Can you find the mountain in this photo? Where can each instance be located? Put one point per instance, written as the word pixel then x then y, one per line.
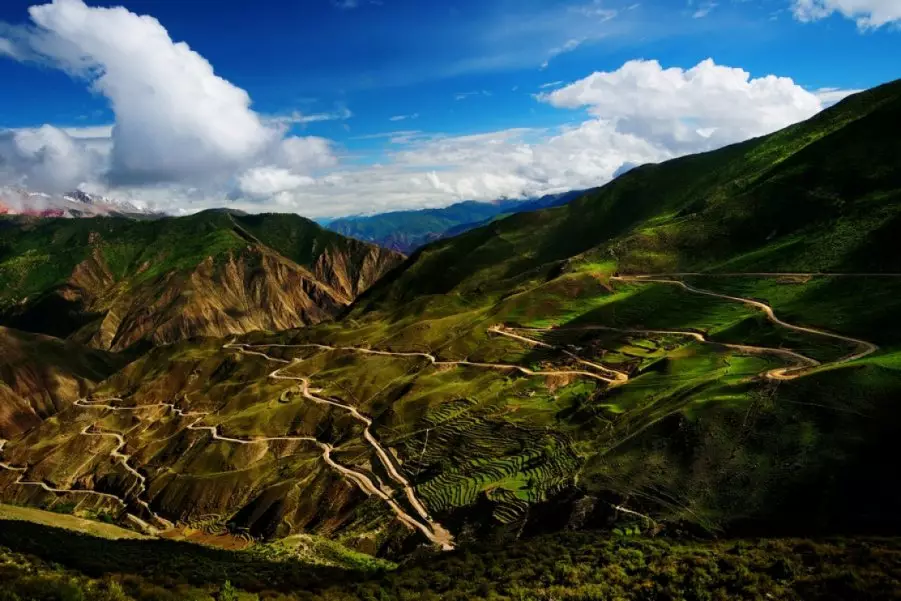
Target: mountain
pixel 77 203
pixel 649 379
pixel 112 282
pixel 405 231
pixel 41 375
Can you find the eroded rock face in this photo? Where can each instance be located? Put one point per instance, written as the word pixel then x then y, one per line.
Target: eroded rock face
pixel 353 273
pixel 251 290
pixel 232 284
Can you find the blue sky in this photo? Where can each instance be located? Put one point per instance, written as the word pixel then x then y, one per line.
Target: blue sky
pixel 349 74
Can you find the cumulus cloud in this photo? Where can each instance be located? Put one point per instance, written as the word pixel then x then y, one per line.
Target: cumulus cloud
pixel 868 14
pixel 691 110
pixel 184 139
pixel 265 182
pixel 47 159
pixel 637 114
pixel 176 121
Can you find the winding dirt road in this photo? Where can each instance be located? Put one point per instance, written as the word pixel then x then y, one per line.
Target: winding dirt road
pixel 800 361
pixel 618 376
pixel 782 373
pixel 46 487
pixel 615 376
pixel 433 530
pixel 441 537
pixel 802 365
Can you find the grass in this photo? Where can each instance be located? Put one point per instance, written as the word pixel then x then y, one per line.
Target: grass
pixel 697 439
pixel 72 523
pixel 40 562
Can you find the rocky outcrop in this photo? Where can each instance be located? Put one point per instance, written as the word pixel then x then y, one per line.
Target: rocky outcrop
pixel 252 290
pixel 208 275
pixel 352 273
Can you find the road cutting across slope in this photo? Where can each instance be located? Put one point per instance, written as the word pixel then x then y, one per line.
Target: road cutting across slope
pixel 441 538
pixel 21 481
pixel 800 361
pixel 433 530
pixel 610 379
pixel 783 373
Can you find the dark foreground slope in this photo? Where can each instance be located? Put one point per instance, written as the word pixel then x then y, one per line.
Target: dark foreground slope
pixel 564 567
pixel 706 346
pixel 113 282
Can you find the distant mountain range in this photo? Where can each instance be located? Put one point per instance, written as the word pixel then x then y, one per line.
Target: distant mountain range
pixel 16 201
pixel 405 231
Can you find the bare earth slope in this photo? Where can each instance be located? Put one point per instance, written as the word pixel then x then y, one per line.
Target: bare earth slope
pixel 111 282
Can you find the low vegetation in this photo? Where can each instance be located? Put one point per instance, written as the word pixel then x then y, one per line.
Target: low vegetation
pixel 47 564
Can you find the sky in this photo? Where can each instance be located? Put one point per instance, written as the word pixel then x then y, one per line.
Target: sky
pixel 338 107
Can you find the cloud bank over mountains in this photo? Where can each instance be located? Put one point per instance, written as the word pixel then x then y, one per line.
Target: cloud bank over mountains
pixel 184 137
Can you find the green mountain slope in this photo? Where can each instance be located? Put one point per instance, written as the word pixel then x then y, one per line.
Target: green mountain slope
pixel 817 196
pixel 113 282
pixel 707 345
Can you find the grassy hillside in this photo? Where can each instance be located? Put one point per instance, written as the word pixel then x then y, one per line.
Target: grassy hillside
pixel 818 196
pixel 709 346
pixel 112 282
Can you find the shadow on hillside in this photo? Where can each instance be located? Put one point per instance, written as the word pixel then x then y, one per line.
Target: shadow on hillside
pixel 166 561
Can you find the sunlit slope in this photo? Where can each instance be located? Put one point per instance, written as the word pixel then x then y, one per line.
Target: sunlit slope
pixel 112 282
pixel 41 375
pixel 698 434
pixel 821 195
pixel 709 344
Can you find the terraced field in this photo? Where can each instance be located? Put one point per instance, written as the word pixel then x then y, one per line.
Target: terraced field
pixel 463 451
pixel 683 350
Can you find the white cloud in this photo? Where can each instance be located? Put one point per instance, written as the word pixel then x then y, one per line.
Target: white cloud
pixel 91 132
pixel 703 10
pixel 568 46
pixel 47 159
pixel 265 182
pixel 688 110
pixel 404 117
pixel 465 95
pixel 8 48
pixel 829 96
pixel 298 118
pixel 637 114
pixel 868 14
pixel 184 139
pixel 176 121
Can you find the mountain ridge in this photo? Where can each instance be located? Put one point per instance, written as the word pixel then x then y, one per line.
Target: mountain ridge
pixel 113 282
pixel 706 346
pixel 405 231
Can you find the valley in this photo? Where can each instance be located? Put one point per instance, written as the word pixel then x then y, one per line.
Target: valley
pixel 691 371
